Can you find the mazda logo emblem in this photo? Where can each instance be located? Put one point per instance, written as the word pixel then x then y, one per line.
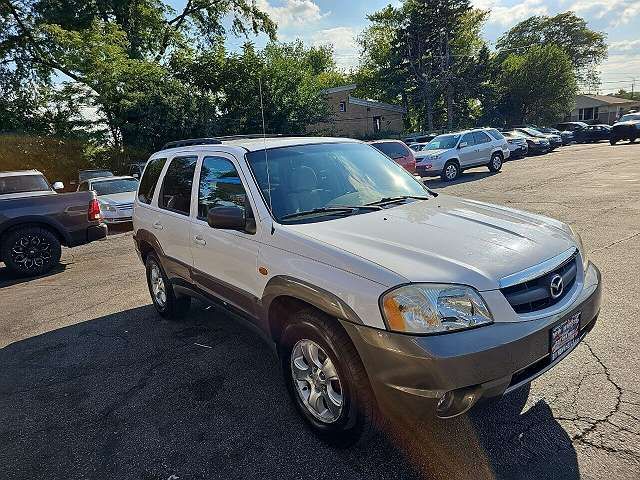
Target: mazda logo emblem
pixel 556 286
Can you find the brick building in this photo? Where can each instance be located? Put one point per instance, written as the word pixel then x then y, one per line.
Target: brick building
pixel 356 117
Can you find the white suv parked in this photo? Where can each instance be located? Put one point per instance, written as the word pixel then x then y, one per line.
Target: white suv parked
pixel 450 154
pixel 378 295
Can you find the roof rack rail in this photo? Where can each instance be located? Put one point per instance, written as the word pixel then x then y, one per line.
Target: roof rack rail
pixel 191 141
pixel 251 136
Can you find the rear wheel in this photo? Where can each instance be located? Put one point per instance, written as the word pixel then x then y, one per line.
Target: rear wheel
pixel 326 379
pixel 167 303
pixel 495 164
pixel 30 251
pixel 613 141
pixel 451 171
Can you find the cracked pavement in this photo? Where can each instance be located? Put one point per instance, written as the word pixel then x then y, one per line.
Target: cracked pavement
pixel 94 385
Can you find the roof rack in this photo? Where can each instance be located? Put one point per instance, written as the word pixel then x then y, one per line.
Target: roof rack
pixel 191 141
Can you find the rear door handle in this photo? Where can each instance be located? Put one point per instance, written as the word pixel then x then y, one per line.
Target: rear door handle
pixel 199 240
pixel 158 226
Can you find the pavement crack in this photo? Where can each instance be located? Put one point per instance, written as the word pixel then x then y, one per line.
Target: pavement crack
pixel 630 237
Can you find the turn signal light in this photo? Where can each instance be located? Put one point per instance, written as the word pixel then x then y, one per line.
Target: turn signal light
pixel 94 210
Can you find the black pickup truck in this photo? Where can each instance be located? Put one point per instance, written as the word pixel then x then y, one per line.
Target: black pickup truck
pixel 35 221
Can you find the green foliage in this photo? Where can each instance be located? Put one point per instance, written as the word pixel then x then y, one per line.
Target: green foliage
pixel 585 47
pixel 538 87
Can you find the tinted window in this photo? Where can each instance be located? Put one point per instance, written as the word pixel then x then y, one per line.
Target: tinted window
pixel 23 183
pixel 89 174
pixel 392 149
pixel 150 180
pixel 84 186
pixel 468 137
pixel 220 186
pixel 109 187
pixel 176 187
pixel 496 134
pixel 481 137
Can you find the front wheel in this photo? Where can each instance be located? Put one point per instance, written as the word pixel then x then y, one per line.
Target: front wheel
pixel 326 379
pixel 31 251
pixel 167 303
pixel 451 171
pixel 496 163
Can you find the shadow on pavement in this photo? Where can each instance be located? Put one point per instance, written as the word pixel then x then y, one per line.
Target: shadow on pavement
pixel 8 279
pixel 467 176
pixel 130 396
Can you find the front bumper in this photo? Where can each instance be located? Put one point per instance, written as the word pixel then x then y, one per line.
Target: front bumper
pixel 411 373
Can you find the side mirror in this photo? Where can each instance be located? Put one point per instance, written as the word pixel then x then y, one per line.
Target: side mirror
pixel 227 218
pixel 462 144
pixel 58 186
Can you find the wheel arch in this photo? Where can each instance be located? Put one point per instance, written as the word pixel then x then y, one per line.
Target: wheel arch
pixel 284 296
pixel 38 222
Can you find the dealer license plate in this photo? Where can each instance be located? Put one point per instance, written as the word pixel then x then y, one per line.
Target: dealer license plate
pixel 565 336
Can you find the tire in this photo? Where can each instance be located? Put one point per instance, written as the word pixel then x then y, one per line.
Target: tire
pixel 30 251
pixel 632 140
pixel 167 303
pixel 495 164
pixel 613 141
pixel 351 414
pixel 450 171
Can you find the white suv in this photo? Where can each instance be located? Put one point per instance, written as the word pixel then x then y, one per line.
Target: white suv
pixel 378 295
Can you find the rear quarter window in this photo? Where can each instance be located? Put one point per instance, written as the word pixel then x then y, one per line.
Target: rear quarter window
pixel 496 134
pixel 150 180
pixel 392 149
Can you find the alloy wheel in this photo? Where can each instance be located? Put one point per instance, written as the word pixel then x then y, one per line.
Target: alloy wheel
pixel 31 252
pixel 157 286
pixel 451 172
pixel 316 381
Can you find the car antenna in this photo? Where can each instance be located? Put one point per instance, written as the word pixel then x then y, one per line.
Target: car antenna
pixel 266 155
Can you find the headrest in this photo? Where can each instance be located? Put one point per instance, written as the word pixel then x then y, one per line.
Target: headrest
pixel 303 179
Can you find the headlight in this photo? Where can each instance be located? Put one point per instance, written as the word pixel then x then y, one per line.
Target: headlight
pixel 583 252
pixel 434 308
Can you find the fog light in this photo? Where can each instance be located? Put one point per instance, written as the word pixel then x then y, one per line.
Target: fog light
pixel 457 402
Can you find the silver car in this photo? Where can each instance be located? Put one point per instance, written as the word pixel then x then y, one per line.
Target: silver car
pixel 450 154
pixel 115 195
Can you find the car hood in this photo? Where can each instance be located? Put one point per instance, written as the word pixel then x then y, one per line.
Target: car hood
pixel 431 153
pixel 446 239
pixel 118 198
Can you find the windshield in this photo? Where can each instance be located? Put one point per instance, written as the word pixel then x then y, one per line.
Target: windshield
pixel 23 184
pixel 532 132
pixel 88 174
pixel 630 117
pixel 443 142
pixel 303 178
pixel 109 187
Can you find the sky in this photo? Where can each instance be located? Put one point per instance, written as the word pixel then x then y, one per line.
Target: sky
pixel 338 22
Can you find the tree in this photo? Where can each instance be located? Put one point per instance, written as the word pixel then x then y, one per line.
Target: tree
pixel 537 87
pixel 120 51
pixel 585 48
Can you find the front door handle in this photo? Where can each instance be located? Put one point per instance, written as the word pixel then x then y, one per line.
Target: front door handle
pixel 199 240
pixel 158 226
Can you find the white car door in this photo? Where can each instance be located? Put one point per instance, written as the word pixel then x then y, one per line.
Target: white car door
pixel 224 261
pixel 467 151
pixel 172 224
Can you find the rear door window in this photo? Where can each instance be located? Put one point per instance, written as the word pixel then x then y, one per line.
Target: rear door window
pixel 468 138
pixel 175 195
pixel 150 180
pixel 481 137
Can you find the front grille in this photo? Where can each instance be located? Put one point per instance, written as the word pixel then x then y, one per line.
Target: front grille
pixel 534 295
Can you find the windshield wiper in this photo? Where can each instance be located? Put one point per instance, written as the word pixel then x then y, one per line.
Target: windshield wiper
pixel 390 200
pixel 315 211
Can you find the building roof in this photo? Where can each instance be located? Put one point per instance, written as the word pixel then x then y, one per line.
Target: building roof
pixel 379 105
pixel 344 88
pixel 608 99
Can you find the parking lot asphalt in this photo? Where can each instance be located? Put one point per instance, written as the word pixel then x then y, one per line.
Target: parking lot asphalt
pixel 94 385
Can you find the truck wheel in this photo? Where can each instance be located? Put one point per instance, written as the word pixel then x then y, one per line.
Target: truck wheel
pixel 496 163
pixel 31 251
pixel 613 141
pixel 327 380
pixel 450 171
pixel 167 303
pixel 632 140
